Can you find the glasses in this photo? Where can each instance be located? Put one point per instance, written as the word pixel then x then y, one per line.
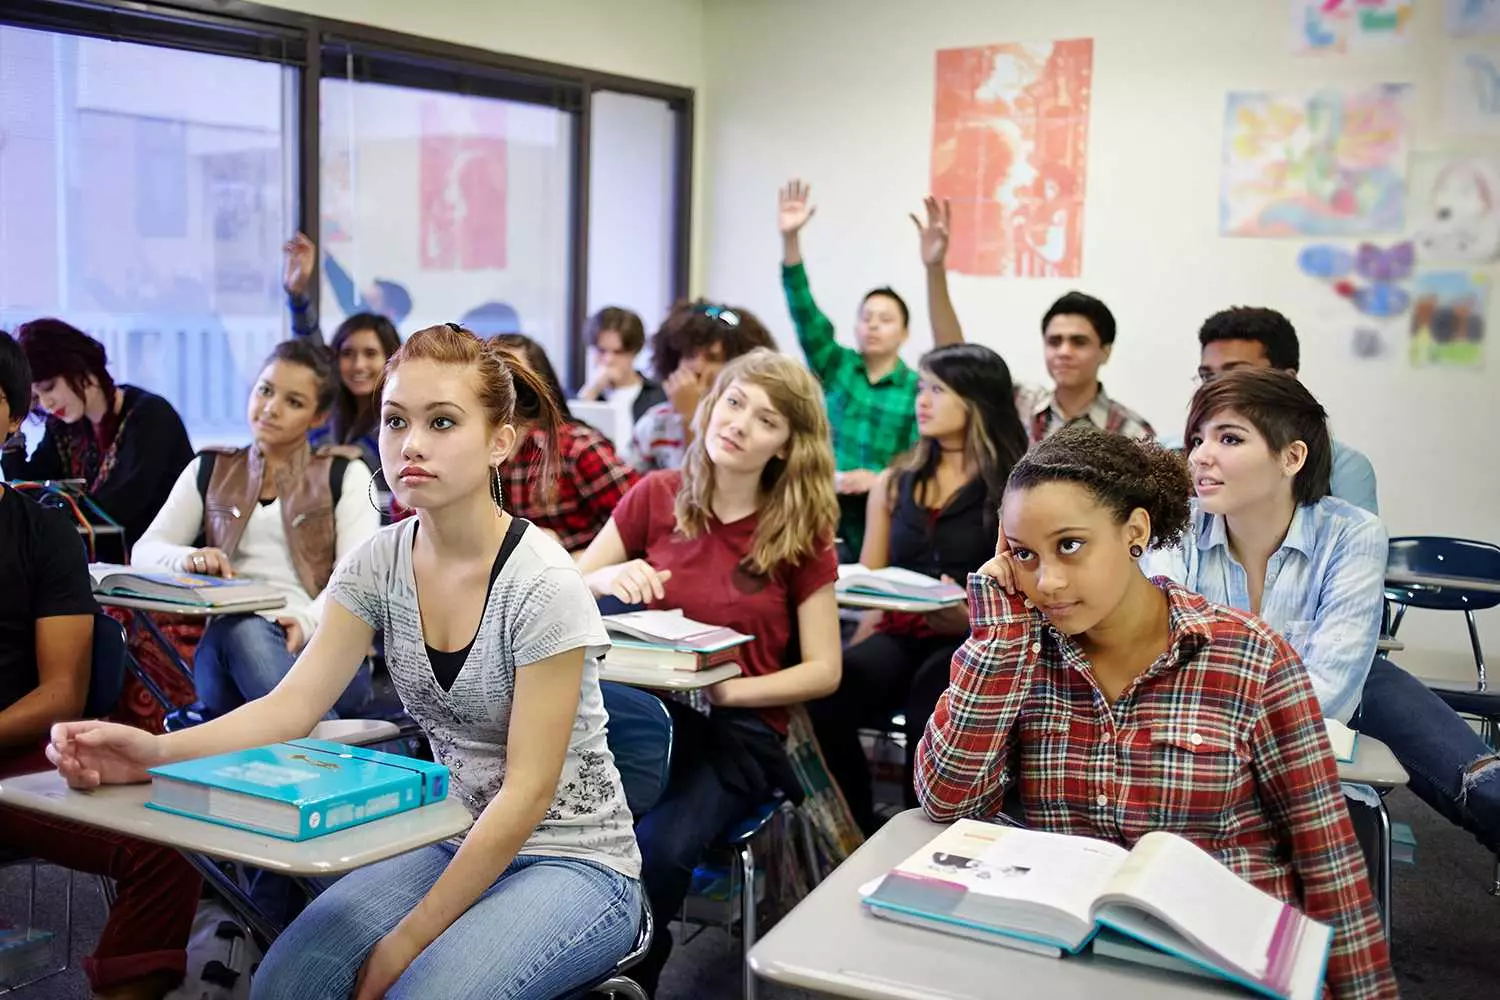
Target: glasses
pixel 723 314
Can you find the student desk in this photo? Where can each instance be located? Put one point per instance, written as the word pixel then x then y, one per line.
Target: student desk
pixel 668 680
pixel 831 945
pixel 1376 767
pixel 121 808
pixel 1480 584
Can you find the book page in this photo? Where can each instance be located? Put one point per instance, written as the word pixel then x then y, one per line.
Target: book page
pixel 1178 882
pixel 1342 738
pixel 672 626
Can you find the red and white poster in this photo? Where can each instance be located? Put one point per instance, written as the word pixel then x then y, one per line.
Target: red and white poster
pixel 1010 151
pixel 462 184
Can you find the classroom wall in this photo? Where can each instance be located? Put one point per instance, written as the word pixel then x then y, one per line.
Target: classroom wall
pixel 840 93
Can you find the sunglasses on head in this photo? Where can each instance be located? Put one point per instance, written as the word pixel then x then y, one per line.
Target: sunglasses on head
pixel 722 313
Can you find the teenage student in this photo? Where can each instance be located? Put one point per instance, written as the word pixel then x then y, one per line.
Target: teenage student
pixel 126 444
pixel 870 390
pixel 616 338
pixel 591 479
pixel 937 514
pixel 1078 336
pixel 740 536
pixel 493 643
pixel 1254 337
pixel 694 343
pixel 267 512
pixel 1116 705
pixel 46 635
pixel 1267 537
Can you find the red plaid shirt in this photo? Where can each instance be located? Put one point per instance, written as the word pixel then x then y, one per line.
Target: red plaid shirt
pixel 591 479
pixel 1219 741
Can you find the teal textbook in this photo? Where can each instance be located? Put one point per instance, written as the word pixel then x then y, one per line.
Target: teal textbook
pixel 297 790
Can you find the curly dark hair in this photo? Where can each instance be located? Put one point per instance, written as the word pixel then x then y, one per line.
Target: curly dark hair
pixel 1123 474
pixel 692 327
pixel 1273 331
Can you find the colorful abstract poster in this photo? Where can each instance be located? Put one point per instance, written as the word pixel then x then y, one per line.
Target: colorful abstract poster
pixel 1471 93
pixel 1468 18
pixel 1455 207
pixel 1447 319
pixel 1341 25
pixel 1010 151
pixel 462 186
pixel 1326 164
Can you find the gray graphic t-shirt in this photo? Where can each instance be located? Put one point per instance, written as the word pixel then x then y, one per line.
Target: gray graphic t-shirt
pixel 538 607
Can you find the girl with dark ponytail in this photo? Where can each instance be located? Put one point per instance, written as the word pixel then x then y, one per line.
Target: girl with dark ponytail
pixel 1111 705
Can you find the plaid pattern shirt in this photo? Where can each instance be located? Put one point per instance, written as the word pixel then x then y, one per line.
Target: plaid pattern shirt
pixel 1219 741
pixel 873 422
pixel 1041 416
pixel 591 480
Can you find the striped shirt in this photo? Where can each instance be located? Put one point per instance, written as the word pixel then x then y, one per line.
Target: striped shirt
pixel 1219 741
pixel 873 422
pixel 1324 589
pixel 1042 417
pixel 658 440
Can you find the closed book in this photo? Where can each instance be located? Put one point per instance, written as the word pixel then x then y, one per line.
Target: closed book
pixel 674 630
pixel 433 776
pixel 629 654
pixel 892 581
pixel 287 790
pixel 1053 893
pixel 192 589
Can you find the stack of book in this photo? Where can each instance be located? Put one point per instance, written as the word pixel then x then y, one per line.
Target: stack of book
pixel 1165 903
pixel 895 589
pixel 669 640
pixel 188 589
pixel 297 790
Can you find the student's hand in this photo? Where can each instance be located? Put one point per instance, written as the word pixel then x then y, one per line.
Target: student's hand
pixel 722 694
pixel 855 481
pixel 385 964
pixel 933 235
pixel 90 754
pixel 794 207
pixel 296 638
pixel 685 388
pixel 634 582
pixel 952 620
pixel 208 562
pixel 301 257
pixel 598 387
pixel 1002 568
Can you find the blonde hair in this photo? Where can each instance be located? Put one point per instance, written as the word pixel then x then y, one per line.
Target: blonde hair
pixel 800 511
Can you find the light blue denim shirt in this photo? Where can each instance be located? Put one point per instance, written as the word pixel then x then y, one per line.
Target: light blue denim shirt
pixel 1323 593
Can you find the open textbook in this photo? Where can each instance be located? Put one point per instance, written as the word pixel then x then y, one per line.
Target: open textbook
pixel 894 582
pixel 1051 893
pixel 194 589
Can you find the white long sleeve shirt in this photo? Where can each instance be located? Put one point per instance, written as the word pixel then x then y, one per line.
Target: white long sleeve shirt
pixel 263 554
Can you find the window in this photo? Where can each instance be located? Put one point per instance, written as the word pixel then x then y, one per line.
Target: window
pixel 144 195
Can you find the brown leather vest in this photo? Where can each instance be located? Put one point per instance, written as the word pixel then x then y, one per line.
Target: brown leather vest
pixel 306 508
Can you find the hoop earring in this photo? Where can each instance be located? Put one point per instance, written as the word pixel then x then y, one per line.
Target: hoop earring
pixel 370 492
pixel 1136 552
pixel 497 495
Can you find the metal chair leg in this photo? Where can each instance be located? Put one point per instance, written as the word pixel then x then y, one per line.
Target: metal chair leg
pixel 1478 653
pixel 1383 816
pixel 1396 620
pixel 1495 888
pixel 747 917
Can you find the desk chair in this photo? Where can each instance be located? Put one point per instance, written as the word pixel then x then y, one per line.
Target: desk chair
pixel 106 680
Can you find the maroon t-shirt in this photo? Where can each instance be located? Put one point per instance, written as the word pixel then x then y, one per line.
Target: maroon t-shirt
pixel 709 581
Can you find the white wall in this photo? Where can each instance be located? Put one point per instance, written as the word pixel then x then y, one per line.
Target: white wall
pixel 840 92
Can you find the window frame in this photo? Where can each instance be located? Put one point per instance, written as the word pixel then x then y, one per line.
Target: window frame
pixel 309 44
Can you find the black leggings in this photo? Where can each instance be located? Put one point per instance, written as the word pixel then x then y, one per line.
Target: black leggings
pixel 883 674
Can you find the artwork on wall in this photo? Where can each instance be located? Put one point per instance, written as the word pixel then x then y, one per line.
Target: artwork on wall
pixel 1382 269
pixel 1448 319
pixel 1010 150
pixel 1330 163
pixel 1341 25
pixel 1455 206
pixel 1471 93
pixel 1464 18
pixel 462 177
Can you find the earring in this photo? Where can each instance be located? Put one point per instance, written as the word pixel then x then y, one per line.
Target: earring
pixel 370 492
pixel 496 494
pixel 1136 552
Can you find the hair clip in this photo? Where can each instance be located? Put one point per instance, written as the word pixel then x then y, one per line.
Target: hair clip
pixel 456 328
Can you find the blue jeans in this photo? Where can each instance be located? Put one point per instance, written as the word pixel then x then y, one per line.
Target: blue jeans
pixel 242 657
pixel 1438 749
pixel 547 927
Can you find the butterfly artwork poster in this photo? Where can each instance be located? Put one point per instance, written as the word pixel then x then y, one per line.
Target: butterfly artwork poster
pixel 1325 164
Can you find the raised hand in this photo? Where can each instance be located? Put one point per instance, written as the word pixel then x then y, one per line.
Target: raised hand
pixel 301 258
pixel 90 754
pixel 795 210
pixel 932 236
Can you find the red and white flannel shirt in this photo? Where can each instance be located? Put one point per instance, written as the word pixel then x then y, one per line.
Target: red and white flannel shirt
pixel 1219 741
pixel 591 479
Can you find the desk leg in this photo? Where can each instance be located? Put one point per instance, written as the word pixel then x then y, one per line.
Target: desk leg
pixel 262 926
pixel 1383 817
pixel 164 644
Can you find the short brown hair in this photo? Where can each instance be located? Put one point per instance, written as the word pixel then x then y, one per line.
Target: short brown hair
pixel 1282 410
pixel 624 322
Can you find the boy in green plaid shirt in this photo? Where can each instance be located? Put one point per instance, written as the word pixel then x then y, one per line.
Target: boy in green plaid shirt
pixel 871 392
